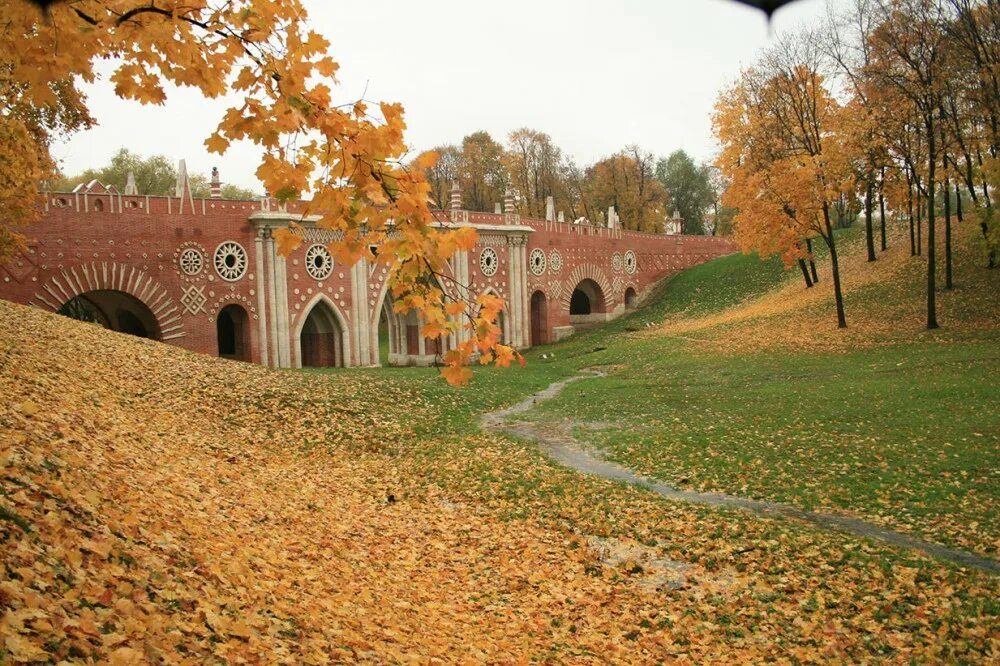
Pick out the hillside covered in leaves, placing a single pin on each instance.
(160, 506)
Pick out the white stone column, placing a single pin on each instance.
(284, 325)
(514, 291)
(462, 277)
(421, 340)
(272, 300)
(262, 284)
(525, 296)
(525, 323)
(519, 291)
(361, 324)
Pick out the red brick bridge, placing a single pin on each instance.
(204, 274)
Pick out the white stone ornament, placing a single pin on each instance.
(489, 262)
(616, 262)
(191, 261)
(230, 261)
(194, 299)
(319, 263)
(537, 261)
(630, 262)
(555, 261)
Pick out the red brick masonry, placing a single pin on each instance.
(203, 274)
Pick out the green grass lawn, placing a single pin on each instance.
(905, 434)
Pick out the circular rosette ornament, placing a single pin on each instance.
(230, 261)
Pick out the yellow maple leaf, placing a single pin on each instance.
(286, 241)
(456, 375)
(216, 143)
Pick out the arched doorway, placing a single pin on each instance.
(232, 328)
(321, 340)
(502, 325)
(400, 342)
(539, 319)
(631, 299)
(587, 299)
(114, 310)
(392, 335)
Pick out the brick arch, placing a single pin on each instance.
(578, 275)
(233, 297)
(630, 285)
(79, 279)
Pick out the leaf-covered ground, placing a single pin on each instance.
(161, 506)
(766, 398)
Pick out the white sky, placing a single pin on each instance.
(596, 75)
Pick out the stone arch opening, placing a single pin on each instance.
(587, 299)
(412, 324)
(392, 335)
(539, 319)
(503, 319)
(321, 340)
(631, 299)
(232, 328)
(502, 325)
(115, 311)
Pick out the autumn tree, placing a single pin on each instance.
(777, 126)
(720, 221)
(859, 120)
(441, 170)
(534, 163)
(972, 109)
(907, 53)
(154, 175)
(482, 175)
(628, 182)
(343, 158)
(688, 187)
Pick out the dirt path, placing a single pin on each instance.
(559, 443)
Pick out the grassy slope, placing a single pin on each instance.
(182, 506)
(752, 390)
(191, 510)
(886, 421)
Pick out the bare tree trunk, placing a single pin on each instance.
(805, 273)
(932, 321)
(812, 262)
(869, 228)
(920, 224)
(946, 192)
(947, 234)
(958, 202)
(909, 215)
(838, 295)
(881, 208)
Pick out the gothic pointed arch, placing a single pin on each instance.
(503, 319)
(327, 341)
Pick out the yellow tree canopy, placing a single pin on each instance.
(345, 158)
(783, 152)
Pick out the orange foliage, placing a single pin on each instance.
(345, 158)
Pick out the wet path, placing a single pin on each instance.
(560, 444)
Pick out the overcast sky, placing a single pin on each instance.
(595, 75)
